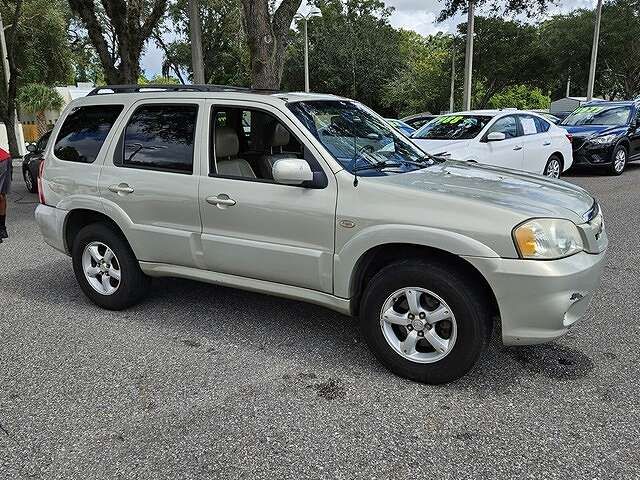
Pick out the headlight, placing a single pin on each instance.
(605, 138)
(547, 239)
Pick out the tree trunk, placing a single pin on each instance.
(10, 126)
(267, 36)
(41, 123)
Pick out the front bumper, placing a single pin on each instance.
(541, 300)
(592, 155)
(51, 223)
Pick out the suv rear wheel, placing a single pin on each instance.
(106, 269)
(425, 321)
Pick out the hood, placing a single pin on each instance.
(528, 195)
(439, 146)
(586, 131)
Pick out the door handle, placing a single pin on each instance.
(121, 189)
(517, 147)
(546, 144)
(221, 201)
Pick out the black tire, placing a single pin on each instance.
(613, 170)
(30, 182)
(454, 286)
(133, 283)
(548, 166)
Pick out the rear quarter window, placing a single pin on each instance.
(84, 131)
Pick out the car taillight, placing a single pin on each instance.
(570, 137)
(40, 189)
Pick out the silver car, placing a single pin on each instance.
(316, 198)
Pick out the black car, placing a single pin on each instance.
(31, 162)
(605, 134)
(418, 120)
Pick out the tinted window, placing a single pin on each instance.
(160, 137)
(506, 125)
(452, 127)
(542, 125)
(84, 131)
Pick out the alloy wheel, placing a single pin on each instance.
(620, 160)
(553, 169)
(101, 268)
(418, 325)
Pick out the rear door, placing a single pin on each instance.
(634, 136)
(506, 153)
(537, 144)
(148, 183)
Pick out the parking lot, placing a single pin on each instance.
(201, 381)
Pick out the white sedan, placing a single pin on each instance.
(506, 138)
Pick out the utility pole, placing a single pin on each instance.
(468, 60)
(594, 52)
(453, 76)
(305, 20)
(568, 86)
(7, 78)
(196, 42)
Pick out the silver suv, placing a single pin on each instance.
(316, 198)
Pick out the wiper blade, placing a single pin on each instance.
(377, 166)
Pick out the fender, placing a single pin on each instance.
(347, 258)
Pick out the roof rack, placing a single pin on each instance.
(110, 89)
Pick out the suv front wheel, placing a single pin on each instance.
(106, 269)
(425, 320)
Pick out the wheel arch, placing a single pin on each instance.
(81, 217)
(376, 258)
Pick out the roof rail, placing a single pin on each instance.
(110, 89)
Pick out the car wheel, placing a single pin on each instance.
(29, 181)
(553, 169)
(106, 268)
(619, 160)
(425, 321)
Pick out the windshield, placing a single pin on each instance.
(358, 138)
(599, 115)
(453, 127)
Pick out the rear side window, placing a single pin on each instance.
(161, 137)
(542, 125)
(84, 131)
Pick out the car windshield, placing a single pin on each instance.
(358, 138)
(453, 127)
(598, 115)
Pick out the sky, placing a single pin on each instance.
(418, 15)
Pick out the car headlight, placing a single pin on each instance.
(547, 239)
(605, 138)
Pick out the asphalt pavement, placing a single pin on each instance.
(201, 381)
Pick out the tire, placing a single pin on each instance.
(617, 167)
(132, 284)
(29, 181)
(471, 317)
(553, 168)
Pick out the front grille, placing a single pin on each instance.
(592, 212)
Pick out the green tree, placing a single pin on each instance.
(37, 98)
(522, 97)
(37, 52)
(118, 31)
(224, 43)
(353, 51)
(528, 8)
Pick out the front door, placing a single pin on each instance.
(507, 153)
(252, 226)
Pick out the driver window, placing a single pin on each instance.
(246, 143)
(506, 125)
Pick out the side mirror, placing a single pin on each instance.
(31, 147)
(292, 171)
(496, 137)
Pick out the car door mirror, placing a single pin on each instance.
(31, 147)
(292, 171)
(496, 137)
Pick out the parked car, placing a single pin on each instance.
(605, 134)
(404, 128)
(514, 139)
(418, 120)
(31, 162)
(319, 200)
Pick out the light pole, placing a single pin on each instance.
(305, 19)
(453, 75)
(594, 52)
(468, 57)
